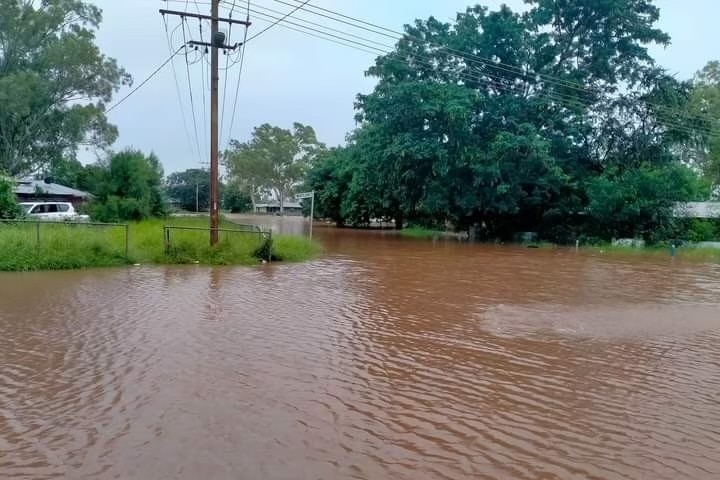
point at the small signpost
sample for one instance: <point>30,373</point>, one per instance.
<point>311,196</point>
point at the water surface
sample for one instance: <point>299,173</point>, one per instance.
<point>384,359</point>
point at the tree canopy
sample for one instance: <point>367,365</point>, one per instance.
<point>274,161</point>
<point>130,188</point>
<point>504,122</point>
<point>191,189</point>
<point>54,83</point>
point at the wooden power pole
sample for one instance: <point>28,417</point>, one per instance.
<point>217,42</point>
<point>214,136</point>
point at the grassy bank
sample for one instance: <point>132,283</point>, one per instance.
<point>687,251</point>
<point>702,254</point>
<point>66,246</point>
<point>421,233</point>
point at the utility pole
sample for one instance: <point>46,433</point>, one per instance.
<point>217,42</point>
<point>214,137</point>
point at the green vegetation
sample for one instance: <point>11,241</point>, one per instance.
<point>8,205</point>
<point>422,233</point>
<point>54,83</point>
<point>274,161</point>
<point>686,252</point>
<point>130,188</point>
<point>597,141</point>
<point>71,246</point>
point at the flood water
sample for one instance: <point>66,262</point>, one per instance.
<point>383,359</point>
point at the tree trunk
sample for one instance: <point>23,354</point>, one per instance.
<point>399,221</point>
<point>282,203</point>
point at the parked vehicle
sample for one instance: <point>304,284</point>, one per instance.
<point>53,211</point>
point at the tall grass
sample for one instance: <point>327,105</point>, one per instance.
<point>68,246</point>
<point>61,246</point>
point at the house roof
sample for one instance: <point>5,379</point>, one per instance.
<point>698,210</point>
<point>31,186</point>
<point>277,204</point>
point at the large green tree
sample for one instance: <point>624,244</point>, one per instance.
<point>500,121</point>
<point>54,82</point>
<point>275,160</point>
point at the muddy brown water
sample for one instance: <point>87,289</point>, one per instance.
<point>384,359</point>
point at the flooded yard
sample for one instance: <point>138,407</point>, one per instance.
<point>385,358</point>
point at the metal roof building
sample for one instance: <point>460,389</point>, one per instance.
<point>30,189</point>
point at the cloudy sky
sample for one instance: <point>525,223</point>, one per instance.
<point>289,76</point>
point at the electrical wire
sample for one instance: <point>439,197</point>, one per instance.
<point>495,81</point>
<point>237,88</point>
<point>150,77</point>
<point>469,60</point>
<point>476,58</point>
<point>305,2</point>
<point>192,100</point>
<point>177,84</point>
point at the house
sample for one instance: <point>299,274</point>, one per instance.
<point>697,210</point>
<point>273,208</point>
<point>30,189</point>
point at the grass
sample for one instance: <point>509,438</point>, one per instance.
<point>421,233</point>
<point>689,252</point>
<point>70,246</point>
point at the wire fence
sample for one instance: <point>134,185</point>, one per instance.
<point>227,235</point>
<point>45,233</point>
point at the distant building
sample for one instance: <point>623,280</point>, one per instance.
<point>697,210</point>
<point>30,189</point>
<point>273,208</point>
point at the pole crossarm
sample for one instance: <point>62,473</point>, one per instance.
<point>195,43</point>
<point>204,17</point>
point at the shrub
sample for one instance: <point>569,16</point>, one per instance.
<point>702,230</point>
<point>8,205</point>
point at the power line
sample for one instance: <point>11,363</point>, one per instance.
<point>497,82</point>
<point>475,58</point>
<point>309,22</point>
<point>469,60</point>
<point>177,86</point>
<point>192,100</point>
<point>225,82</point>
<point>237,89</point>
<point>150,77</point>
<point>283,18</point>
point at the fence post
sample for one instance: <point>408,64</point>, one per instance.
<point>270,245</point>
<point>166,242</point>
<point>127,238</point>
<point>37,233</point>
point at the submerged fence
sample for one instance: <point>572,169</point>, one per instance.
<point>44,233</point>
<point>227,235</point>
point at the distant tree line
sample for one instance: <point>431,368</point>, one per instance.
<point>556,121</point>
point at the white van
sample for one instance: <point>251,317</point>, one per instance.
<point>53,211</point>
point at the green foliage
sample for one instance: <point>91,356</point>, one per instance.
<point>68,246</point>
<point>9,207</point>
<point>72,173</point>
<point>274,161</point>
<point>421,233</point>
<point>235,200</point>
<point>54,82</point>
<point>638,203</point>
<point>567,150</point>
<point>62,246</point>
<point>129,189</point>
<point>183,187</point>
<point>703,230</point>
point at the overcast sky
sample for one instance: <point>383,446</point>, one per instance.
<point>289,76</point>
